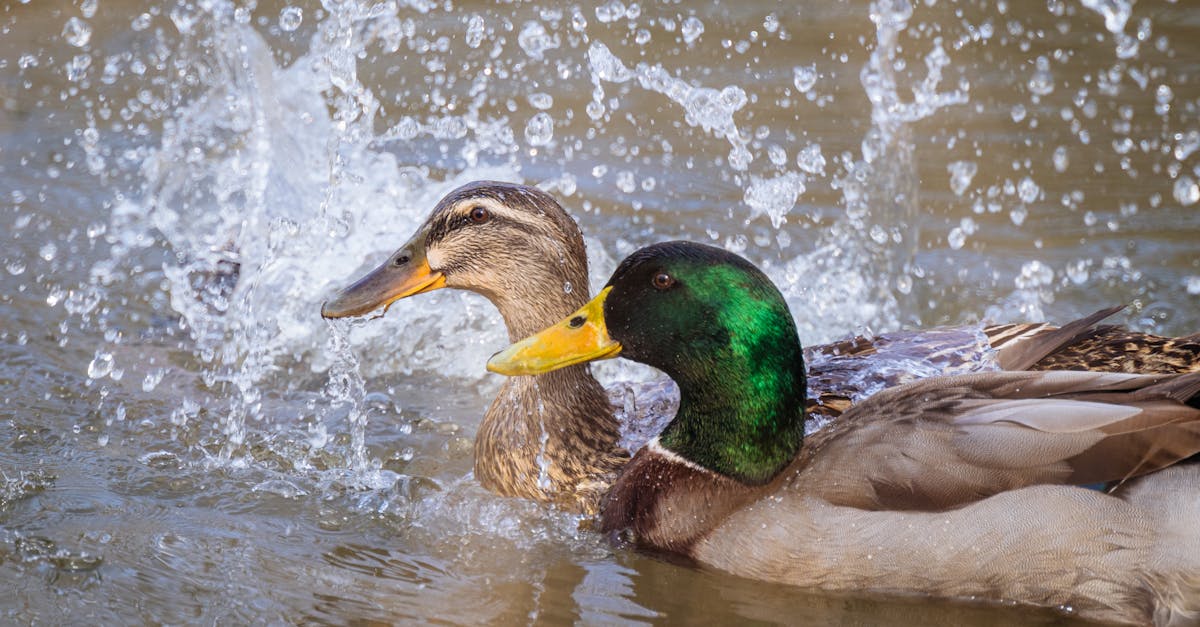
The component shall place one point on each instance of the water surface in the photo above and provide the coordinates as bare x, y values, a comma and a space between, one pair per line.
179, 447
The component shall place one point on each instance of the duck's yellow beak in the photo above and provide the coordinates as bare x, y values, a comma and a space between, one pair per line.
580, 337
405, 273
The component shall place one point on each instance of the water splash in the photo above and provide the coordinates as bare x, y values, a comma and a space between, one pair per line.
542, 460
881, 186
705, 107
346, 392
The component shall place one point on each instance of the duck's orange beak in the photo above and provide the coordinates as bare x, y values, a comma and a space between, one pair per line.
582, 336
405, 273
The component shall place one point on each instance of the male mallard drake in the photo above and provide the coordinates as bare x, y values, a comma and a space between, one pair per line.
517, 247
957, 486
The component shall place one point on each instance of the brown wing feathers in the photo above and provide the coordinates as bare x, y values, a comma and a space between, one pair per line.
1086, 345
1024, 353
943, 443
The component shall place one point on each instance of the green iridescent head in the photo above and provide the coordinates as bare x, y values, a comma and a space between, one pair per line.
714, 323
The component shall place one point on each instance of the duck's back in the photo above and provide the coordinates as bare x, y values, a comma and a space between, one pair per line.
845, 372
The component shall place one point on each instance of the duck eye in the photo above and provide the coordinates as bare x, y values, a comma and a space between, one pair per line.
662, 281
479, 215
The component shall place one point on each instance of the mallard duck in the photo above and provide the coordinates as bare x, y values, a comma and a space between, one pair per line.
516, 246
961, 486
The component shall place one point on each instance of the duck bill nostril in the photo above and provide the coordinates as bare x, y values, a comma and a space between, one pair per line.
405, 275
582, 337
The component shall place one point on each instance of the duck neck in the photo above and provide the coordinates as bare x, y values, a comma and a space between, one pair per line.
741, 408
545, 436
549, 289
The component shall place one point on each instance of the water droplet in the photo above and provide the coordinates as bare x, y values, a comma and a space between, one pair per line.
610, 11
1077, 271
804, 77
1028, 191
777, 154
774, 197
1061, 161
1042, 81
578, 21
476, 29
810, 159
771, 23
290, 18
539, 130
567, 287
1192, 284
891, 13
626, 182
1187, 192
692, 29
961, 174
1187, 144
88, 8
141, 22
1034, 274
1127, 46
535, 41
77, 67
956, 238
1116, 12
77, 32
1162, 98
152, 379
15, 267
101, 365
48, 251
1018, 215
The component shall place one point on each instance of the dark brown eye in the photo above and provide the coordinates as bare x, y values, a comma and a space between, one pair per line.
662, 281
479, 215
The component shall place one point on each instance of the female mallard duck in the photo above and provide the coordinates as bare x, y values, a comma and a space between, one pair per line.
952, 486
517, 247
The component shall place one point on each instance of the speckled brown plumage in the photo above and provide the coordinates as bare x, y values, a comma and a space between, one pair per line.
536, 276
551, 438
1079, 345
1116, 349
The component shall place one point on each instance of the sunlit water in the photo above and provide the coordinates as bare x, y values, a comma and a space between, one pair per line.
179, 446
